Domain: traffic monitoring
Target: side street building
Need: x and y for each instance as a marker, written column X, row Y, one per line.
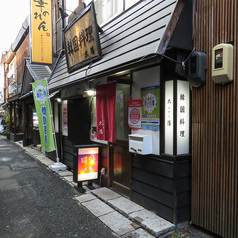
column 133, row 48
column 152, row 84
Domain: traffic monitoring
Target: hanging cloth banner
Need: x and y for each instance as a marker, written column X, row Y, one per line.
column 105, row 111
column 42, row 104
column 135, row 113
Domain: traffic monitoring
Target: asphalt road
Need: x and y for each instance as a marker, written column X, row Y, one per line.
column 36, row 203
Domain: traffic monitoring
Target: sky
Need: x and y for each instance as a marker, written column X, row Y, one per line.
column 13, row 13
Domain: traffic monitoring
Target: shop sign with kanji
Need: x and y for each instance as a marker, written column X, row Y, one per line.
column 41, row 32
column 82, row 44
column 183, row 115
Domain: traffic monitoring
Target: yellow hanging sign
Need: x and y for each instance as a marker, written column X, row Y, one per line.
column 41, row 32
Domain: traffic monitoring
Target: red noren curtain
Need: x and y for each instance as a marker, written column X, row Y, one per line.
column 105, row 111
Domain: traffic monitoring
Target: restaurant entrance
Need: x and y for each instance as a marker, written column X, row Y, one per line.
column 120, row 160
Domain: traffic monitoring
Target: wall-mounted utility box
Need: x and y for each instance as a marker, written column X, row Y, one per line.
column 197, row 69
column 222, row 63
column 140, row 144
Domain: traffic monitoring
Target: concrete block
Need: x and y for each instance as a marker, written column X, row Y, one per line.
column 124, row 205
column 153, row 223
column 118, row 223
column 69, row 178
column 139, row 233
column 65, row 173
column 46, row 161
column 97, row 207
column 85, row 198
column 105, row 194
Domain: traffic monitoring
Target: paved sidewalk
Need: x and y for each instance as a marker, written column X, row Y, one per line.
column 124, row 217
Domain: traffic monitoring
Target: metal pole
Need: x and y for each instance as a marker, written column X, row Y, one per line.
column 58, row 165
column 53, row 124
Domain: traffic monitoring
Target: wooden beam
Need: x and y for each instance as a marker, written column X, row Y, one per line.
column 171, row 26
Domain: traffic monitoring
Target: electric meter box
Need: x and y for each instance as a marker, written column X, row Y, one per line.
column 140, row 144
column 222, row 63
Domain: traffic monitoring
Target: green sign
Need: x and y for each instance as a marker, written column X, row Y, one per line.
column 40, row 94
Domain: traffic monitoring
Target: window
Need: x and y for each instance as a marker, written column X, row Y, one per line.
column 35, row 120
column 71, row 5
column 121, row 112
column 107, row 9
column 129, row 3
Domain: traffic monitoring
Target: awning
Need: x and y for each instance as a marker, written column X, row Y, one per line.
column 142, row 30
column 33, row 73
column 21, row 34
column 13, row 98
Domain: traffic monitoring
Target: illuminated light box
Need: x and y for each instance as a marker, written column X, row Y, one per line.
column 177, row 122
column 86, row 163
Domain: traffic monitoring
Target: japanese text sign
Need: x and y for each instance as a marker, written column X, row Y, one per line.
column 41, row 32
column 87, row 163
column 177, row 121
column 82, row 44
column 135, row 113
column 169, row 117
column 183, row 115
column 65, row 118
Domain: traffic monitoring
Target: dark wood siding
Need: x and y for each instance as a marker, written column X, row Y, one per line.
column 162, row 185
column 68, row 152
column 22, row 52
column 214, row 125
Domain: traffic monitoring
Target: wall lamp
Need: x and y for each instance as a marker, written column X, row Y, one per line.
column 90, row 91
column 63, row 12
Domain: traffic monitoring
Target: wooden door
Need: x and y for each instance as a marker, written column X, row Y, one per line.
column 120, row 156
column 121, row 170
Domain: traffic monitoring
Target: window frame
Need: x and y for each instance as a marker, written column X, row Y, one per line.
column 116, row 15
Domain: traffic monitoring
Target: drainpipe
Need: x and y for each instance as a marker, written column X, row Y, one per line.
column 62, row 38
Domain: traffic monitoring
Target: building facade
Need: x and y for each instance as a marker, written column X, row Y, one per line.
column 142, row 56
column 168, row 148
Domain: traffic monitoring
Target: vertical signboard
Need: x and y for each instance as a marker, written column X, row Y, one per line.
column 151, row 108
column 42, row 104
column 41, row 32
column 135, row 113
column 183, row 112
column 177, row 125
column 169, row 117
column 87, row 164
column 65, row 118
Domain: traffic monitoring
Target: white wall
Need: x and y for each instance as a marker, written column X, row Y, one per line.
column 145, row 78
